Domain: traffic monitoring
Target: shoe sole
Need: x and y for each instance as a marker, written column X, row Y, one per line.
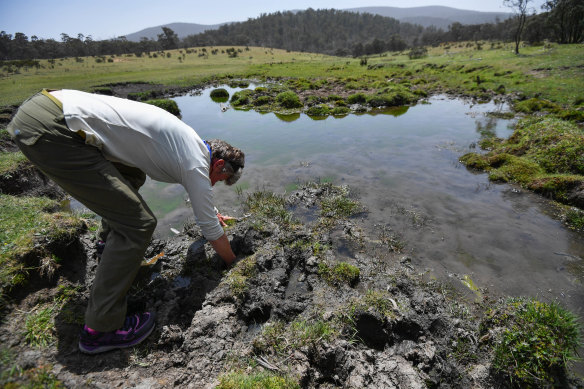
column 103, row 349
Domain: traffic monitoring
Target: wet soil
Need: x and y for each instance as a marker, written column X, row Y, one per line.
column 204, row 329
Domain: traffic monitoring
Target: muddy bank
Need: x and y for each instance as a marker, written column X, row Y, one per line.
column 295, row 304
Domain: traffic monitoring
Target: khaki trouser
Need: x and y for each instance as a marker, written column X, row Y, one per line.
column 40, row 131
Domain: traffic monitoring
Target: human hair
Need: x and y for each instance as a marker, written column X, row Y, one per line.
column 234, row 159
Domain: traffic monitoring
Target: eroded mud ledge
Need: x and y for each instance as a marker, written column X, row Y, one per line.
column 285, row 307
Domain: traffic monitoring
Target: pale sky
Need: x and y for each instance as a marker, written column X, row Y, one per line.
column 106, row 19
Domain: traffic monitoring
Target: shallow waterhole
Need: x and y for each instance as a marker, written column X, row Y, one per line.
column 404, row 166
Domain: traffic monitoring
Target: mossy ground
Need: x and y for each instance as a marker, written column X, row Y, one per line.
column 28, row 226
column 544, row 154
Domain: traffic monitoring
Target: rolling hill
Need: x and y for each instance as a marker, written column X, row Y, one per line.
column 438, row 16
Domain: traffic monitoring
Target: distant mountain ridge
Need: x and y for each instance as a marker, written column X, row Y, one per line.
column 438, row 16
column 181, row 29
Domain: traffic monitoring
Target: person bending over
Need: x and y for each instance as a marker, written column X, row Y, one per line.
column 100, row 149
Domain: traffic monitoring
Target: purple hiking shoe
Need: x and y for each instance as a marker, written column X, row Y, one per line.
column 99, row 246
column 136, row 328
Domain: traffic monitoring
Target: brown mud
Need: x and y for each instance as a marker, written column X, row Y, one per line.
column 205, row 327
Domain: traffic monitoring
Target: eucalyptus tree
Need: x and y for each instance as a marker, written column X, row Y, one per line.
column 521, row 8
column 566, row 19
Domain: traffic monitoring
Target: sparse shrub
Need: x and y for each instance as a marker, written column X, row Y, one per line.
column 288, row 99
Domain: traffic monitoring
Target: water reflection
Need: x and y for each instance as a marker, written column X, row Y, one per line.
column 405, row 169
column 288, row 117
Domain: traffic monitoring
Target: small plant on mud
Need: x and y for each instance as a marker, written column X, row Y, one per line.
column 264, row 380
column 39, row 327
column 380, row 301
column 280, row 338
column 341, row 273
column 537, row 342
column 575, row 218
column 237, row 278
column 269, row 205
column 464, row 351
column 8, row 367
column 338, row 206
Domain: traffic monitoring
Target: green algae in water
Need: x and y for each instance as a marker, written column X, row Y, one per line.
column 469, row 283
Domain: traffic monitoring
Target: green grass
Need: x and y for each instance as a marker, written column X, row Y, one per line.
column 90, row 74
column 544, row 154
column 239, row 275
column 39, row 327
column 269, row 206
column 537, row 342
column 281, row 338
column 11, row 162
column 262, row 380
column 339, row 274
column 552, row 73
column 26, row 226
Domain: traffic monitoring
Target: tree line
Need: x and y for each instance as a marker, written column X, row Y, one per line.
column 331, row 31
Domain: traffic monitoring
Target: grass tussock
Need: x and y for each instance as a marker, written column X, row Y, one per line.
column 282, row 338
column 535, row 343
column 238, row 277
column 339, row 274
column 268, row 205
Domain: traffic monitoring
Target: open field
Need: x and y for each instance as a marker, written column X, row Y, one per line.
column 554, row 72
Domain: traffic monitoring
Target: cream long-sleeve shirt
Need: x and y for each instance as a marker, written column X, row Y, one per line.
column 149, row 138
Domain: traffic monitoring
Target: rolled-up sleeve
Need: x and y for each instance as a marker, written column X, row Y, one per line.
column 198, row 186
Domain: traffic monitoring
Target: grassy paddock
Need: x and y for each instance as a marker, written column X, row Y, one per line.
column 552, row 72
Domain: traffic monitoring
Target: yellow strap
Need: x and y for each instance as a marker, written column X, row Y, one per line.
column 53, row 98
